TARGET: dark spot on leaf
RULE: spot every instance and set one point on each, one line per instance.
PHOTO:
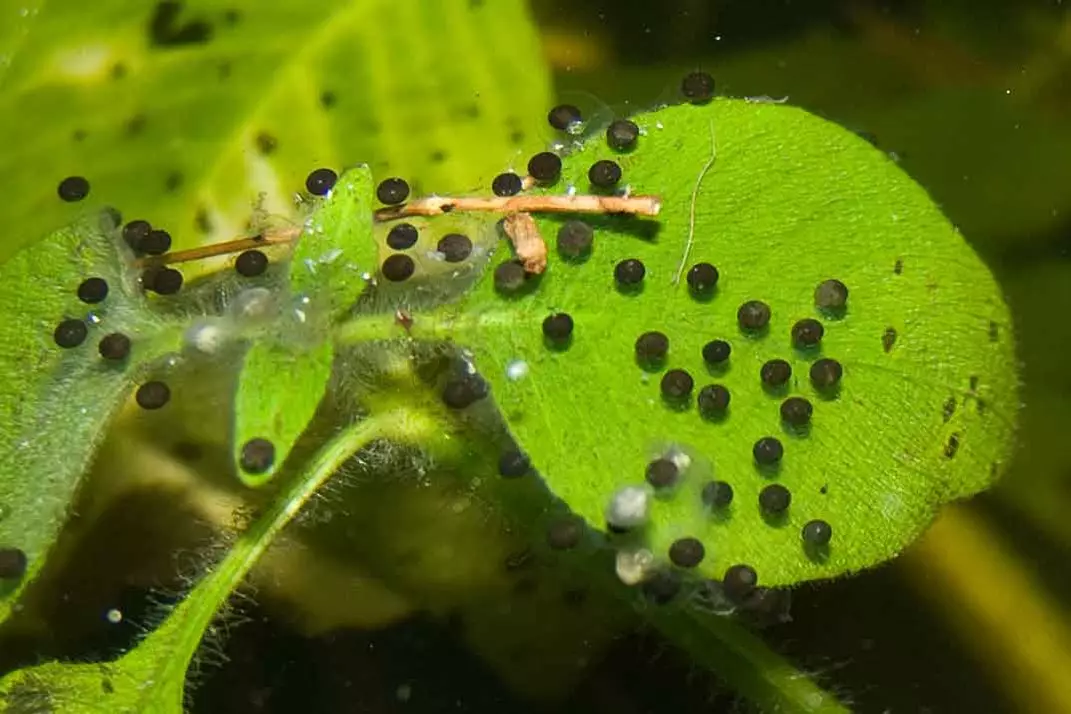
(320, 181)
(716, 494)
(713, 401)
(256, 456)
(677, 385)
(753, 316)
(604, 174)
(70, 333)
(506, 184)
(251, 263)
(157, 242)
(951, 446)
(93, 290)
(114, 346)
(898, 267)
(402, 236)
(558, 329)
(202, 221)
(994, 331)
(831, 296)
(565, 533)
(173, 181)
(775, 373)
(563, 115)
(516, 137)
(774, 499)
(651, 349)
(266, 143)
(398, 268)
(152, 395)
(118, 70)
(807, 333)
(662, 587)
(73, 188)
(545, 167)
(437, 157)
(973, 381)
(629, 274)
(702, 279)
(716, 353)
(78, 135)
(816, 532)
(767, 451)
(163, 281)
(223, 70)
(135, 232)
(796, 411)
(392, 191)
(661, 473)
(231, 16)
(166, 30)
(575, 240)
(888, 339)
(464, 391)
(328, 99)
(949, 409)
(698, 87)
(513, 464)
(135, 125)
(739, 582)
(455, 247)
(622, 135)
(826, 373)
(12, 563)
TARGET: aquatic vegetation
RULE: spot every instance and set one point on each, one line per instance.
(759, 355)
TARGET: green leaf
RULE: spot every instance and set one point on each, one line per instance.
(279, 388)
(56, 402)
(924, 412)
(336, 253)
(190, 114)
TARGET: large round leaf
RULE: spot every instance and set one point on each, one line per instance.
(780, 202)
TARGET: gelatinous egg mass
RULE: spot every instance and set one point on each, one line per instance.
(717, 385)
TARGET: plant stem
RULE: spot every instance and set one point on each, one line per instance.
(183, 630)
(744, 662)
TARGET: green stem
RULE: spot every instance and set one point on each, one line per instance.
(185, 626)
(744, 662)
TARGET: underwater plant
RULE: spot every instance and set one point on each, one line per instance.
(694, 353)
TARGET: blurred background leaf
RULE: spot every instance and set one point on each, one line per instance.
(191, 114)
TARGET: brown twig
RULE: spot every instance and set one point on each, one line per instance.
(280, 236)
(646, 206)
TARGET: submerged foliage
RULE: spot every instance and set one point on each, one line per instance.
(778, 378)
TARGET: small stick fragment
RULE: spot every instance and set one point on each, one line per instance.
(528, 244)
(279, 236)
(647, 206)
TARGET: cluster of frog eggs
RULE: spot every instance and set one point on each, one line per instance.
(627, 509)
(151, 245)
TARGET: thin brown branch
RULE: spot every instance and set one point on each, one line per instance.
(280, 236)
(647, 206)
